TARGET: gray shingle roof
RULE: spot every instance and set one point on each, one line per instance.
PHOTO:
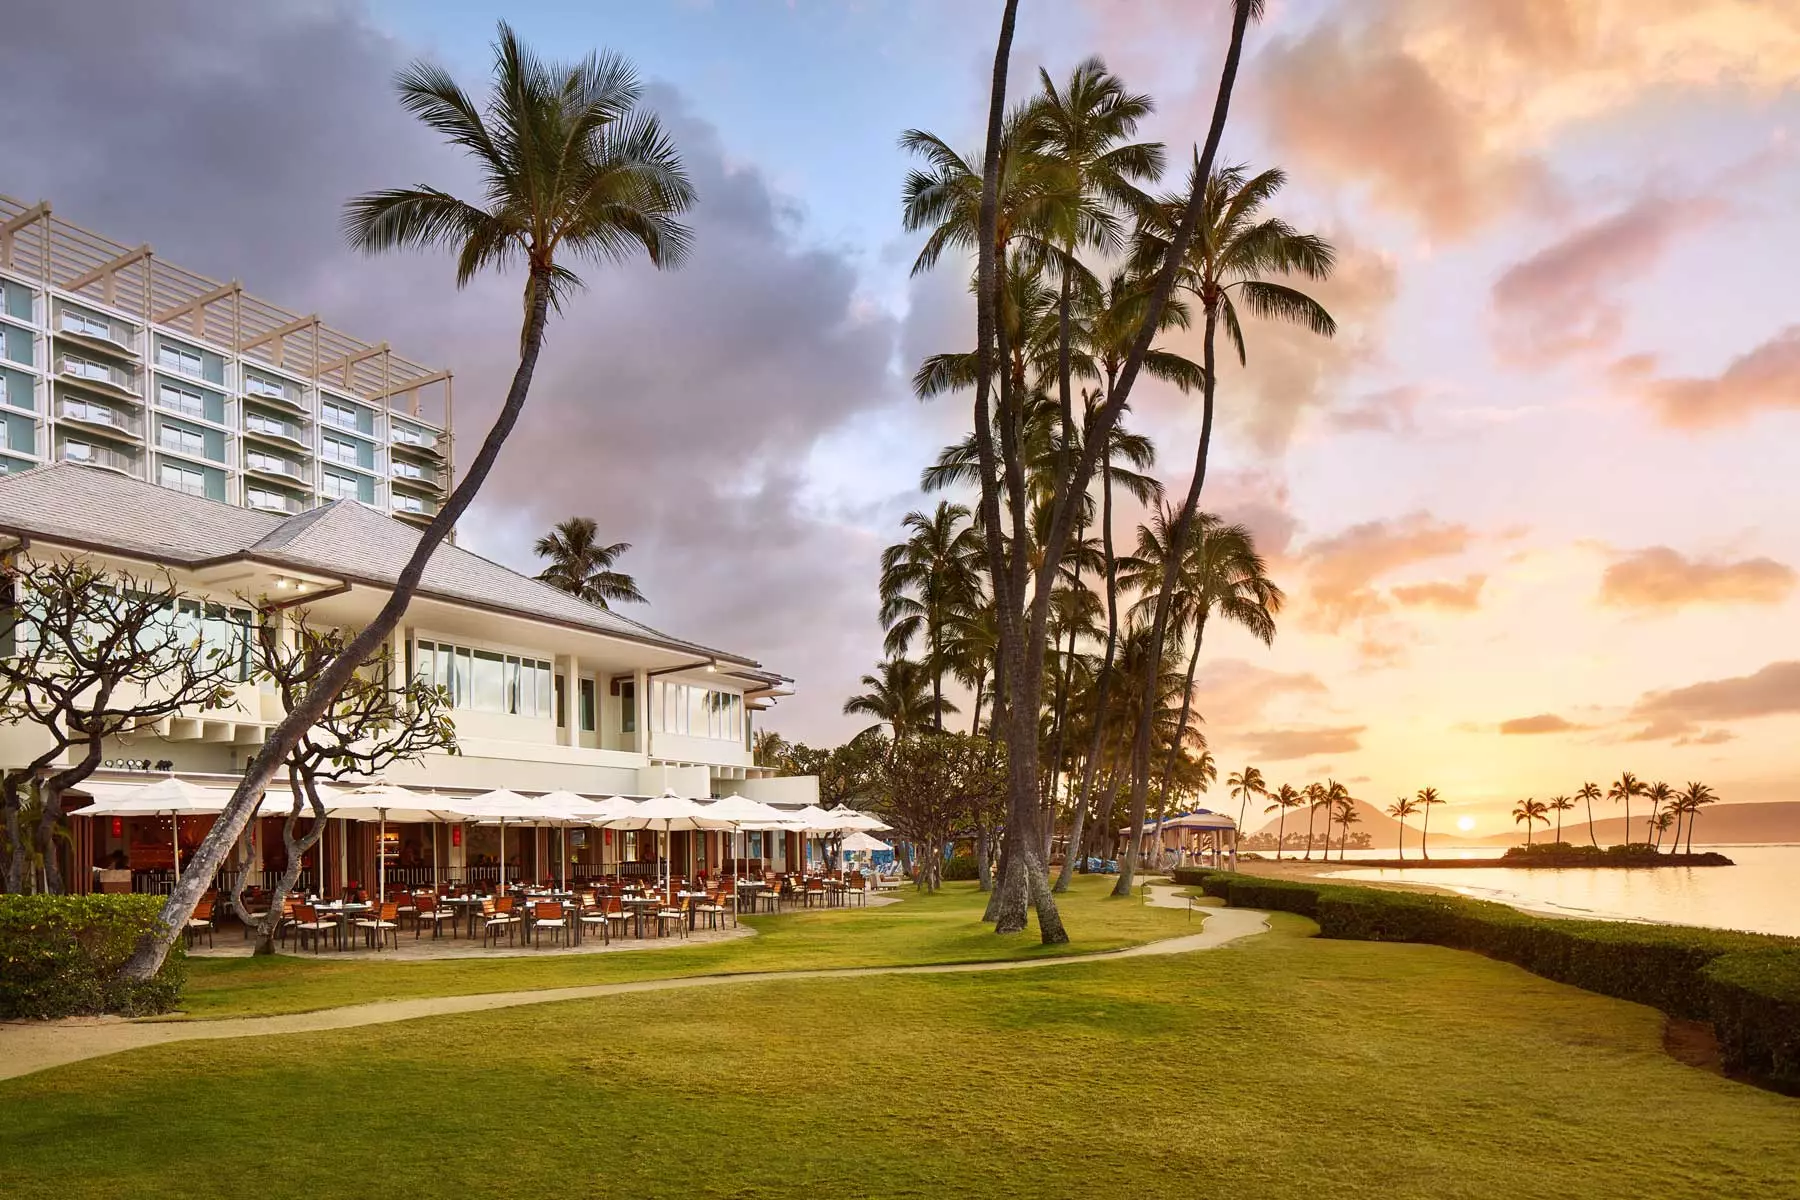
(100, 509)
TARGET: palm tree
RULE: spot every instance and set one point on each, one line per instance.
(927, 582)
(582, 567)
(767, 747)
(573, 168)
(1528, 811)
(1245, 785)
(1662, 822)
(1695, 797)
(1285, 798)
(900, 696)
(1347, 815)
(1658, 794)
(1623, 790)
(1560, 805)
(1426, 799)
(1316, 798)
(1588, 793)
(1402, 808)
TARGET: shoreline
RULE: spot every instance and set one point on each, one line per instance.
(1291, 870)
(1524, 863)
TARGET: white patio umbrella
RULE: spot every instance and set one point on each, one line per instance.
(565, 809)
(857, 843)
(170, 796)
(747, 814)
(608, 812)
(852, 821)
(382, 801)
(669, 813)
(498, 807)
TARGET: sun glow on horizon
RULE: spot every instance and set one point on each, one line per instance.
(1465, 823)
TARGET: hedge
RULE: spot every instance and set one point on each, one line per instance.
(1747, 985)
(961, 867)
(60, 955)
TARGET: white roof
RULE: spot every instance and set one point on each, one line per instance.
(669, 812)
(163, 797)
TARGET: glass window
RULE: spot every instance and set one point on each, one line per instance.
(541, 680)
(85, 324)
(86, 368)
(178, 358)
(183, 479)
(256, 385)
(411, 504)
(490, 682)
(588, 698)
(628, 706)
(562, 707)
(185, 401)
(183, 440)
(462, 683)
(696, 711)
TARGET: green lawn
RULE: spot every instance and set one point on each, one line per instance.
(1283, 1066)
(920, 929)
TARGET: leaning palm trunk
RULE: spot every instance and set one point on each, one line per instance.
(1181, 727)
(1311, 815)
(1425, 832)
(229, 826)
(1103, 685)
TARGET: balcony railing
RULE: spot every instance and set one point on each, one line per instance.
(266, 501)
(100, 416)
(419, 441)
(88, 370)
(114, 335)
(280, 467)
(258, 425)
(424, 477)
(98, 456)
(275, 391)
(414, 506)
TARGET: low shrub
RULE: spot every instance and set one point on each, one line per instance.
(1747, 985)
(961, 866)
(60, 955)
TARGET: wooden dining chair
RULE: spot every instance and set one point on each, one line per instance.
(201, 922)
(382, 925)
(497, 921)
(548, 915)
(307, 924)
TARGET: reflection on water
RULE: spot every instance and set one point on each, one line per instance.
(1761, 893)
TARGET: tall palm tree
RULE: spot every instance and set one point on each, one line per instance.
(1662, 822)
(1658, 794)
(927, 582)
(1221, 573)
(1347, 815)
(1527, 812)
(582, 566)
(1402, 808)
(1286, 797)
(1316, 798)
(1623, 789)
(767, 747)
(899, 696)
(1236, 257)
(1588, 793)
(1246, 785)
(1427, 799)
(573, 168)
(1694, 797)
(1560, 805)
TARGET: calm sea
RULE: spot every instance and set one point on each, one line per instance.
(1761, 893)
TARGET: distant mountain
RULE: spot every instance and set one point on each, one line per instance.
(1776, 821)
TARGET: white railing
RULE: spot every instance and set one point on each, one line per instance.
(270, 427)
(99, 456)
(100, 415)
(92, 371)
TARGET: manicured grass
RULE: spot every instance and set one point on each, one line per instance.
(940, 928)
(1283, 1066)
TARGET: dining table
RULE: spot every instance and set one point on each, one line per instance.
(342, 912)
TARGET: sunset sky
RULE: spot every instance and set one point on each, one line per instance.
(1534, 507)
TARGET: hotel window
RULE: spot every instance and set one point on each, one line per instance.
(85, 324)
(262, 460)
(406, 470)
(93, 414)
(74, 451)
(589, 697)
(696, 711)
(628, 706)
(183, 440)
(263, 498)
(408, 436)
(259, 423)
(256, 385)
(338, 451)
(346, 487)
(562, 702)
(16, 345)
(86, 368)
(185, 401)
(179, 358)
(486, 680)
(411, 504)
(191, 480)
(344, 416)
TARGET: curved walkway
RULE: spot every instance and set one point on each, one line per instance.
(26, 1048)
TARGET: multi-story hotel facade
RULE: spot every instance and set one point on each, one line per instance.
(112, 357)
(548, 692)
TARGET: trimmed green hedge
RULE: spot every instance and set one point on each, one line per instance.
(1747, 985)
(60, 955)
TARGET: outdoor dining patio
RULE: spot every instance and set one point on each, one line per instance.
(607, 872)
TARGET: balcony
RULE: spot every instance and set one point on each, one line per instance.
(261, 426)
(410, 440)
(264, 500)
(274, 468)
(98, 456)
(100, 333)
(414, 508)
(274, 391)
(100, 417)
(407, 474)
(91, 372)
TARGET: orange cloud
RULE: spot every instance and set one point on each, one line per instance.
(1388, 411)
(1542, 723)
(1677, 713)
(1233, 691)
(1342, 569)
(1564, 299)
(1441, 109)
(1661, 578)
(1442, 593)
(1279, 745)
(1765, 379)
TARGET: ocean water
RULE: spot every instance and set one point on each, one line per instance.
(1761, 893)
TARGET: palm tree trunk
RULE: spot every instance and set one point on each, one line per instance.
(1280, 832)
(229, 826)
(1060, 714)
(1402, 839)
(1103, 684)
(1590, 812)
(1181, 727)
(1425, 832)
(1311, 813)
(1559, 826)
(937, 673)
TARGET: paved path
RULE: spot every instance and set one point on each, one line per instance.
(28, 1047)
